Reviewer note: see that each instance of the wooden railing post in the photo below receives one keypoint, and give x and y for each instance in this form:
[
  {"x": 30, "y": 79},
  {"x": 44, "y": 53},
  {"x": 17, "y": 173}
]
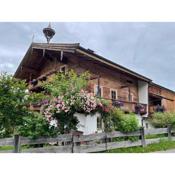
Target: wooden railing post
[
  {"x": 73, "y": 143},
  {"x": 106, "y": 141},
  {"x": 142, "y": 132},
  {"x": 169, "y": 132},
  {"x": 17, "y": 144}
]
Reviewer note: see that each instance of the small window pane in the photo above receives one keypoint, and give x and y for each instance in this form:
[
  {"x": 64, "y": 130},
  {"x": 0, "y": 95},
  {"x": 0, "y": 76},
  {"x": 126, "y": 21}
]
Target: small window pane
[
  {"x": 113, "y": 95},
  {"x": 98, "y": 91}
]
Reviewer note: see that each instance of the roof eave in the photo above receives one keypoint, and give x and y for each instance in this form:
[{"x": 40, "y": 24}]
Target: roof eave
[
  {"x": 112, "y": 64},
  {"x": 16, "y": 74},
  {"x": 154, "y": 84}
]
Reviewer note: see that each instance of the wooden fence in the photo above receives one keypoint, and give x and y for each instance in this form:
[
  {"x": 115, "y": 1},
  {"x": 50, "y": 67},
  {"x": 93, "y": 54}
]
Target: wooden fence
[{"x": 69, "y": 143}]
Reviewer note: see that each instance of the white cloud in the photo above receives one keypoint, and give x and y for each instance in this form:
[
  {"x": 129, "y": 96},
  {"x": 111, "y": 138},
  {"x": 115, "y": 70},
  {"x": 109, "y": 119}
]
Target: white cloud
[
  {"x": 10, "y": 52},
  {"x": 7, "y": 65}
]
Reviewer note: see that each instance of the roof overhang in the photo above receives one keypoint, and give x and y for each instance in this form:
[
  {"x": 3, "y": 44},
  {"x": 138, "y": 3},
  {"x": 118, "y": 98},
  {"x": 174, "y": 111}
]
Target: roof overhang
[
  {"x": 161, "y": 87},
  {"x": 159, "y": 96},
  {"x": 73, "y": 49},
  {"x": 101, "y": 59},
  {"x": 66, "y": 48}
]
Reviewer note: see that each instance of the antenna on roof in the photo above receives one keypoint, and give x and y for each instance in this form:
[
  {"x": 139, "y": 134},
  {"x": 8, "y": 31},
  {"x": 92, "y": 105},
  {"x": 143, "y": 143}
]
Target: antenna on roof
[{"x": 49, "y": 32}]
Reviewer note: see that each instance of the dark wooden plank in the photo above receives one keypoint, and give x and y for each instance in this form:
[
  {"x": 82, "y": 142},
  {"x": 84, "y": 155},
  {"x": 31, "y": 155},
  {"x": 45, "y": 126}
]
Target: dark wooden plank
[
  {"x": 156, "y": 131},
  {"x": 90, "y": 137},
  {"x": 90, "y": 148},
  {"x": 7, "y": 141},
  {"x": 155, "y": 140},
  {"x": 17, "y": 144},
  {"x": 50, "y": 149},
  {"x": 142, "y": 131},
  {"x": 120, "y": 134},
  {"x": 57, "y": 49},
  {"x": 60, "y": 138}
]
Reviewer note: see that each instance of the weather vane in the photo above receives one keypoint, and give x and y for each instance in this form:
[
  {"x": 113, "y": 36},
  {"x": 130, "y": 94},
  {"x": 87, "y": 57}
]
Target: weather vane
[{"x": 49, "y": 33}]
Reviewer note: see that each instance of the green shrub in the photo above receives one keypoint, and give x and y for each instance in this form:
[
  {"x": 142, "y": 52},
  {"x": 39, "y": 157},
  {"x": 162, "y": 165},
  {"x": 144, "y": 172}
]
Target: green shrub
[
  {"x": 124, "y": 122},
  {"x": 35, "y": 126},
  {"x": 162, "y": 120},
  {"x": 117, "y": 115},
  {"x": 128, "y": 123}
]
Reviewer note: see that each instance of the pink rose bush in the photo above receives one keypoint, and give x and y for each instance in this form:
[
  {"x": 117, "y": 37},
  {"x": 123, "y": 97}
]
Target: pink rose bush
[
  {"x": 56, "y": 106},
  {"x": 87, "y": 101},
  {"x": 83, "y": 102}
]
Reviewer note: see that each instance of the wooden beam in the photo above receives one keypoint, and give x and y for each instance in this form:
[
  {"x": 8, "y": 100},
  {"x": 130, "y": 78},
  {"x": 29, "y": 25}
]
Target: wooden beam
[
  {"x": 94, "y": 77},
  {"x": 29, "y": 69},
  {"x": 58, "y": 50},
  {"x": 61, "y": 55},
  {"x": 160, "y": 96}
]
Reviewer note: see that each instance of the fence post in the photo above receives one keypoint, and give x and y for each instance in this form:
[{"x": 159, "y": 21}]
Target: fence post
[
  {"x": 169, "y": 132},
  {"x": 17, "y": 144},
  {"x": 106, "y": 141},
  {"x": 142, "y": 132},
  {"x": 73, "y": 143}
]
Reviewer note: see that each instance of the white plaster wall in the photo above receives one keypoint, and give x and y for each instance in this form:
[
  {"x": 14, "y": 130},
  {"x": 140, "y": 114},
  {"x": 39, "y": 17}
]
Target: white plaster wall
[
  {"x": 82, "y": 121},
  {"x": 143, "y": 93},
  {"x": 87, "y": 123},
  {"x": 91, "y": 124}
]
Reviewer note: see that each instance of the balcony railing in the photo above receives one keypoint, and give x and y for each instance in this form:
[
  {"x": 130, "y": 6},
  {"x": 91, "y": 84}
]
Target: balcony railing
[
  {"x": 36, "y": 84},
  {"x": 127, "y": 106},
  {"x": 156, "y": 108}
]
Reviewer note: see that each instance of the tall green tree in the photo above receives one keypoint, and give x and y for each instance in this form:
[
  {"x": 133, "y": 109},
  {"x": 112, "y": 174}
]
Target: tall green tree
[{"x": 14, "y": 102}]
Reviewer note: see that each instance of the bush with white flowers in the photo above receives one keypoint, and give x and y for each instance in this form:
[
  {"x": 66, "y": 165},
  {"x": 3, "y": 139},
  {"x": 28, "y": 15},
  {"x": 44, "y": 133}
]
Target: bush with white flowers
[{"x": 68, "y": 96}]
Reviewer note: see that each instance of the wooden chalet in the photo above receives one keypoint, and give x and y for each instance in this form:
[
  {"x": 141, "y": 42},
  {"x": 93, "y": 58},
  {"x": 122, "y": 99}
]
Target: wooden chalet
[{"x": 111, "y": 80}]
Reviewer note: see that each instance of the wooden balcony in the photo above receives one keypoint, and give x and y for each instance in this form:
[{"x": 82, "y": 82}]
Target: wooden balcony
[
  {"x": 130, "y": 106},
  {"x": 36, "y": 84}
]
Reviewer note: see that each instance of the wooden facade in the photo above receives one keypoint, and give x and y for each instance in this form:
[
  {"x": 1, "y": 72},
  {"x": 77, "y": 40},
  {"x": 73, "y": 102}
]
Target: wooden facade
[
  {"x": 43, "y": 60},
  {"x": 162, "y": 96}
]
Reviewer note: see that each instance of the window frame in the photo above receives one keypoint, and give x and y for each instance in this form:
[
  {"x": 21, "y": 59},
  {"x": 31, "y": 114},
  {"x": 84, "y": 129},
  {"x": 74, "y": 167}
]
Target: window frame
[
  {"x": 115, "y": 90},
  {"x": 95, "y": 90}
]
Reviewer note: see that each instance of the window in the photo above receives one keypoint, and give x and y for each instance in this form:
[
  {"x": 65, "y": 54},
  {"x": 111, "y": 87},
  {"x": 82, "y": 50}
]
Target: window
[
  {"x": 113, "y": 94},
  {"x": 98, "y": 91}
]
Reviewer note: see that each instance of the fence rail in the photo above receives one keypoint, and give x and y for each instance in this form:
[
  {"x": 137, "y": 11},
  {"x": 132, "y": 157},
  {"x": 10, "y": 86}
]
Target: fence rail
[{"x": 70, "y": 143}]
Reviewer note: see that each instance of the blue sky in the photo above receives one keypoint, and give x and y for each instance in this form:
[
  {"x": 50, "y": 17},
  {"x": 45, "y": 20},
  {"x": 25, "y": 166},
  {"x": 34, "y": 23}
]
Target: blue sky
[{"x": 147, "y": 48}]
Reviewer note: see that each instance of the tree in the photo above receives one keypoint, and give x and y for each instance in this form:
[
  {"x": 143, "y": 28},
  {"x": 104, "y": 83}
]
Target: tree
[{"x": 14, "y": 104}]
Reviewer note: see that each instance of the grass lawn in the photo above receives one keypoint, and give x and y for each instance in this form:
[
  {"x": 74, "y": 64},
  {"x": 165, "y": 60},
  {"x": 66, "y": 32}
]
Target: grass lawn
[
  {"x": 163, "y": 145},
  {"x": 6, "y": 148}
]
